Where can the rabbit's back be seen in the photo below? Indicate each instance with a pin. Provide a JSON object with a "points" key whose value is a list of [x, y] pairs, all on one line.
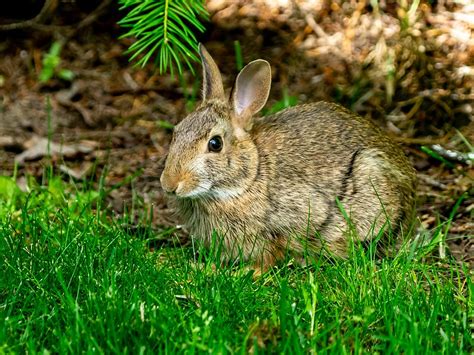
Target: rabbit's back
{"points": [[314, 155]]}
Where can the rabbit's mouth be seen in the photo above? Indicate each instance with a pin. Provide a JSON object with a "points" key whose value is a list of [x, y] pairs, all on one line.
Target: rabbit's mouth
{"points": [[184, 185]]}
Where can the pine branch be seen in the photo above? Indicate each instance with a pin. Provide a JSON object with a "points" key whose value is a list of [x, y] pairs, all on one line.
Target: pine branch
{"points": [[165, 30]]}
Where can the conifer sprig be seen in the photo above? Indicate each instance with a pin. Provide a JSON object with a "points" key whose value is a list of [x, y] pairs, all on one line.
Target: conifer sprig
{"points": [[165, 30]]}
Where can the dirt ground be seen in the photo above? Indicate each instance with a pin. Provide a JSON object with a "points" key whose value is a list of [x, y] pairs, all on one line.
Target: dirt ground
{"points": [[415, 82]]}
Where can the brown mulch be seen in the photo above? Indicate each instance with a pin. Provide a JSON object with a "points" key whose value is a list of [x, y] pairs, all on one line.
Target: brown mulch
{"points": [[411, 73]]}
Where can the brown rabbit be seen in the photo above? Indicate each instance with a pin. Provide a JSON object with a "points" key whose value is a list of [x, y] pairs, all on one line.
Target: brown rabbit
{"points": [[299, 180]]}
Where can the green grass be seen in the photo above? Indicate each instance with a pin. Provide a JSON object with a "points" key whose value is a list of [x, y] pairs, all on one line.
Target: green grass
{"points": [[73, 279]]}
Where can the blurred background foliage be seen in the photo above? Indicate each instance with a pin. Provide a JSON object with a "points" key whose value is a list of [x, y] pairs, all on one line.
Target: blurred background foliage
{"points": [[400, 59]]}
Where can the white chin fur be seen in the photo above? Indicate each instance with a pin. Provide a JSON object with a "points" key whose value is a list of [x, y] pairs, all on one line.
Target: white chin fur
{"points": [[224, 194]]}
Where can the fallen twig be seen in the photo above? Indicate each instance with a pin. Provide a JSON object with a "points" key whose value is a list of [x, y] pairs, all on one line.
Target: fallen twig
{"points": [[419, 141], [64, 98], [431, 181], [465, 158]]}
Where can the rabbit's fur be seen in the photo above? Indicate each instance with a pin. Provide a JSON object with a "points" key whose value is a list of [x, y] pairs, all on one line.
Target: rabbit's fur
{"points": [[298, 180]]}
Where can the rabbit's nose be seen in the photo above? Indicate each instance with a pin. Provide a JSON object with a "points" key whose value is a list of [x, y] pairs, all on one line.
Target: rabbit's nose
{"points": [[168, 184], [170, 190]]}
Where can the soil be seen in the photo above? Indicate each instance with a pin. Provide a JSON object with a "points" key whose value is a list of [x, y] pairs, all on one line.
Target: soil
{"points": [[108, 120]]}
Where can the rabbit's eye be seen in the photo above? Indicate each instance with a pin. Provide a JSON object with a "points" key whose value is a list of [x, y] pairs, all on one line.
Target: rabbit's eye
{"points": [[215, 144]]}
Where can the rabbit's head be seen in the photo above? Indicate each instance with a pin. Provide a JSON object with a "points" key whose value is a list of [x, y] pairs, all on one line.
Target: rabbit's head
{"points": [[212, 154]]}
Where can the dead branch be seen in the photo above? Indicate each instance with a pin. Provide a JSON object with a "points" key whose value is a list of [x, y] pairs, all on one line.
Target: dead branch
{"points": [[453, 155], [431, 181], [47, 10], [419, 140]]}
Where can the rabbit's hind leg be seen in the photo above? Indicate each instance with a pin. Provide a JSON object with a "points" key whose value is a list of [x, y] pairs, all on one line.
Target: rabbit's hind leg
{"points": [[273, 252], [372, 203]]}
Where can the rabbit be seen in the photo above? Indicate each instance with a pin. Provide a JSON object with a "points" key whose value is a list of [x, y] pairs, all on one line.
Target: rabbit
{"points": [[302, 180]]}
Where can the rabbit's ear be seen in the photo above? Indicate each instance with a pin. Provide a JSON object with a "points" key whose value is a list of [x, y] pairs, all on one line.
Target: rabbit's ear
{"points": [[251, 90], [212, 87]]}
